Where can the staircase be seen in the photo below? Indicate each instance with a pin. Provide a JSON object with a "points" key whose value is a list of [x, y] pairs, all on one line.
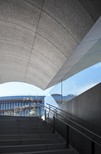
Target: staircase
{"points": [[30, 135]]}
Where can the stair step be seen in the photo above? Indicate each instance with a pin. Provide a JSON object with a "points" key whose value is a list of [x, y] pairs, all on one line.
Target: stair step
{"points": [[24, 127], [28, 132], [61, 151], [28, 126], [31, 141], [27, 136], [31, 148]]}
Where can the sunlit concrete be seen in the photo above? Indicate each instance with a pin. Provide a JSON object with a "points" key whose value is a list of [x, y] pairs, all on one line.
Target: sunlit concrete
{"points": [[40, 40], [85, 55]]}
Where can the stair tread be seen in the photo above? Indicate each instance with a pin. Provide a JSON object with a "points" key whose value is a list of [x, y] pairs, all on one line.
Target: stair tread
{"points": [[33, 145], [31, 148], [26, 135], [30, 141], [61, 151]]}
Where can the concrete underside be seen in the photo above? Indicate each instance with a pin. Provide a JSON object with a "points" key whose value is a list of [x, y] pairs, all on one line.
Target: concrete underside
{"points": [[41, 42]]}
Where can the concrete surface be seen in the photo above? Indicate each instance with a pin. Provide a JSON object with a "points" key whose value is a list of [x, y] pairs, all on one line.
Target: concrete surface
{"points": [[39, 39], [86, 108]]}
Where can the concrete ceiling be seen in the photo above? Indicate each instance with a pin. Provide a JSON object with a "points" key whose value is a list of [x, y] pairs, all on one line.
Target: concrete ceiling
{"points": [[40, 39]]}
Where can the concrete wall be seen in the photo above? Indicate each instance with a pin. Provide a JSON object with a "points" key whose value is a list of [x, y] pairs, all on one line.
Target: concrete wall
{"points": [[87, 109]]}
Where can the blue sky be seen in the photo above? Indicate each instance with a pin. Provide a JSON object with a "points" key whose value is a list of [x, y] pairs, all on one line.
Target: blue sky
{"points": [[20, 88], [84, 80], [80, 82], [74, 85]]}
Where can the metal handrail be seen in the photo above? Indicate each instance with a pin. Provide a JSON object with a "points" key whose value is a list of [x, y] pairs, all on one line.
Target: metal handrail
{"points": [[68, 123], [75, 122], [64, 112]]}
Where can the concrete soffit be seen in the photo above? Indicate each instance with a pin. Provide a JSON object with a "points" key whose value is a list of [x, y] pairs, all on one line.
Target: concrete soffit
{"points": [[39, 40], [85, 55]]}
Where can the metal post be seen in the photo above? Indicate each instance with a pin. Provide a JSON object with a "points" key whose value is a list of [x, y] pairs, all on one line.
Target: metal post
{"points": [[67, 137], [92, 147], [48, 116], [53, 125], [39, 111], [45, 115], [48, 113]]}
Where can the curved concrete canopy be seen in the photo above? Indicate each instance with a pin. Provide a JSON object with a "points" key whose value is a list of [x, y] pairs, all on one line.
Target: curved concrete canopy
{"points": [[39, 39]]}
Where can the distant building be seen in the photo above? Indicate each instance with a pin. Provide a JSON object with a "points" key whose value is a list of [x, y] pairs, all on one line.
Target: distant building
{"points": [[21, 105], [62, 99]]}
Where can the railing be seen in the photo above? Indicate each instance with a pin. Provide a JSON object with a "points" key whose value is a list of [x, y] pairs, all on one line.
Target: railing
{"points": [[67, 119]]}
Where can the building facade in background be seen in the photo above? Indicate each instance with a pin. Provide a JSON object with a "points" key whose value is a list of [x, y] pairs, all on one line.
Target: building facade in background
{"points": [[21, 105]]}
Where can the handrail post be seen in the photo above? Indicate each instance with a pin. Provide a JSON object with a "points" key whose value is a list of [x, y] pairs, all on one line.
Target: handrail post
{"points": [[45, 115], [48, 116], [67, 137], [40, 112], [56, 112], [48, 113], [53, 125], [92, 147]]}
